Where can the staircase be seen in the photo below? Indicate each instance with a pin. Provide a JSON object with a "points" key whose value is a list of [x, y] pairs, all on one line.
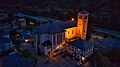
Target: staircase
{"points": [[54, 52]]}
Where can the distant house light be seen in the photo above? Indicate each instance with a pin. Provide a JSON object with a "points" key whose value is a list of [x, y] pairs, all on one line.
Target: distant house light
{"points": [[72, 19], [26, 40], [31, 23], [83, 58]]}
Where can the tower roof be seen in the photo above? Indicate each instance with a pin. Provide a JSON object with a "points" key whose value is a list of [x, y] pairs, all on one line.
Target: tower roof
{"points": [[84, 12]]}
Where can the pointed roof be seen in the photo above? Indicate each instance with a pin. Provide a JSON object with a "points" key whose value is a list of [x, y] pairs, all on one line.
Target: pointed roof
{"points": [[84, 12], [79, 43], [49, 28], [66, 24]]}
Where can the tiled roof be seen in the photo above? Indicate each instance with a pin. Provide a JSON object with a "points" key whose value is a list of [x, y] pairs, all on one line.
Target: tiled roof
{"points": [[84, 45], [66, 24], [49, 28], [87, 44], [54, 28]]}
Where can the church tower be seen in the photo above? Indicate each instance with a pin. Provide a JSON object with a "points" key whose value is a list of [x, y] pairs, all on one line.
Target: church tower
{"points": [[82, 24]]}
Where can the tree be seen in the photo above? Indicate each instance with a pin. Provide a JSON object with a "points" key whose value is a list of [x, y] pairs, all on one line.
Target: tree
{"points": [[89, 31], [101, 60]]}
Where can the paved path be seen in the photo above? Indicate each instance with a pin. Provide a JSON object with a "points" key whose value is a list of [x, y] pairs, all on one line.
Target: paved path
{"points": [[60, 62]]}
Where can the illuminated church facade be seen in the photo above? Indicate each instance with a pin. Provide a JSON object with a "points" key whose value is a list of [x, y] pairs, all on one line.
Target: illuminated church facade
{"points": [[62, 36]]}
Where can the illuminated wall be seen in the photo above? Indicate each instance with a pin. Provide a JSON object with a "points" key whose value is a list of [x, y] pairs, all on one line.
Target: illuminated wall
{"points": [[82, 25], [80, 30], [71, 32]]}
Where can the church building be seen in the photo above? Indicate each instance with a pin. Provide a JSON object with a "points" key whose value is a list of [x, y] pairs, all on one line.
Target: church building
{"points": [[60, 36]]}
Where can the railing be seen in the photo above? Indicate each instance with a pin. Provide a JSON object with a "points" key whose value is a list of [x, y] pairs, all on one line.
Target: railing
{"points": [[53, 52]]}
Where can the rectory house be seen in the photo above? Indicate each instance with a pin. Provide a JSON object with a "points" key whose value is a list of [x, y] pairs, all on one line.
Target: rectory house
{"points": [[54, 38]]}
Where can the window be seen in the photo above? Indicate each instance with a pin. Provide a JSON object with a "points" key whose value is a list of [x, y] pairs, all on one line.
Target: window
{"points": [[68, 32], [34, 38], [54, 39], [64, 36], [80, 17], [59, 38], [38, 41], [72, 31], [81, 54], [84, 31], [85, 17]]}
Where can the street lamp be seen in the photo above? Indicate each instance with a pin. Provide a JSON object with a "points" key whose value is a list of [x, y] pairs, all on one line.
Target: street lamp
{"points": [[26, 40], [72, 19], [83, 58]]}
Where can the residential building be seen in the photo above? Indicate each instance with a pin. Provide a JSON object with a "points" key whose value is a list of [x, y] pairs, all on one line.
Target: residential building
{"points": [[3, 16], [5, 34], [21, 22], [26, 36], [5, 44], [80, 49], [5, 26]]}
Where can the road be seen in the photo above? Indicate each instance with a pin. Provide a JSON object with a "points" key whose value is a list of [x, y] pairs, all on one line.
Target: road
{"points": [[59, 62]]}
